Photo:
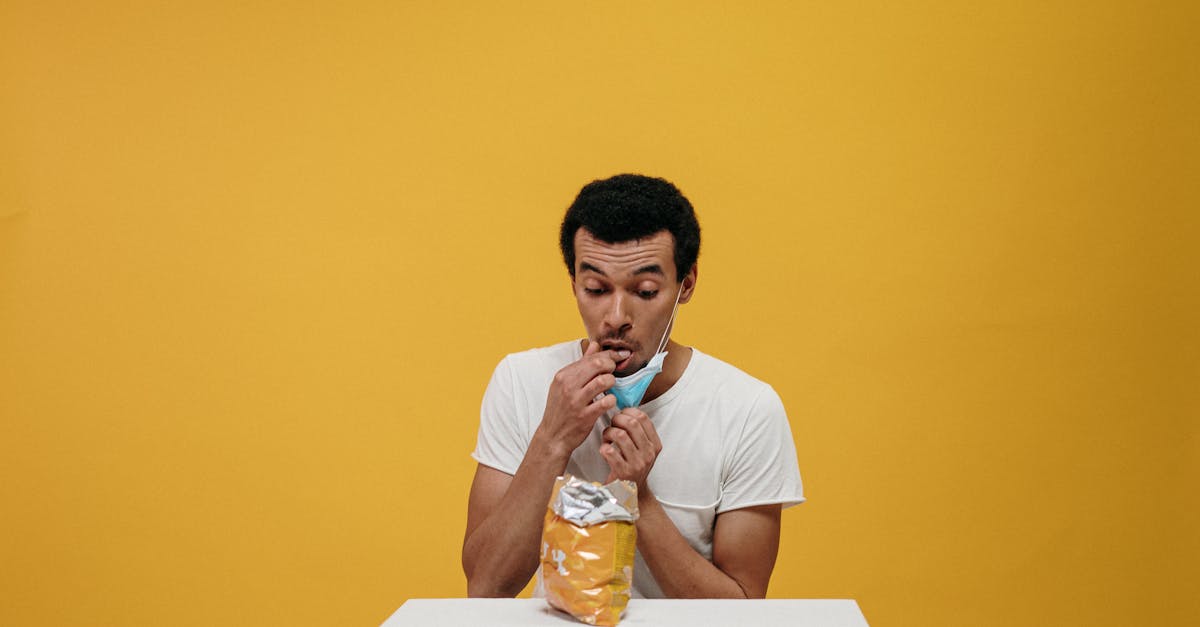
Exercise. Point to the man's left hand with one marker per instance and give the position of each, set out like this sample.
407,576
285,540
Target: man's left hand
630,447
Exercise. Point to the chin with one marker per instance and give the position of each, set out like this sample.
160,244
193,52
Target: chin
626,373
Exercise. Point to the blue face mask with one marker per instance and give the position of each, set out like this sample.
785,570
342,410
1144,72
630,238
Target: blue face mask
629,390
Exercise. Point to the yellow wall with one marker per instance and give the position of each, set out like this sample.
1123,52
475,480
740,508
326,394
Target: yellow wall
257,263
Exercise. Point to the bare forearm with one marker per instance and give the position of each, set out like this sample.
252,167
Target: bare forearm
681,572
501,554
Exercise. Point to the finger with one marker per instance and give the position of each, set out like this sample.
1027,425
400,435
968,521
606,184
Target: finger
635,425
600,406
612,452
594,361
592,365
616,463
603,361
647,425
599,384
623,442
636,413
593,357
651,433
593,348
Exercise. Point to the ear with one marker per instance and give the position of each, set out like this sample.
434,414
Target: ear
689,284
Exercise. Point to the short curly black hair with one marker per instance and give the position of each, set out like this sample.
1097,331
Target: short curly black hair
627,207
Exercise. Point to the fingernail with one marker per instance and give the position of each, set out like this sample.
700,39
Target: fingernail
622,353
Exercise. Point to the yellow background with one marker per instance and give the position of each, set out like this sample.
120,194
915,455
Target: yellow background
257,263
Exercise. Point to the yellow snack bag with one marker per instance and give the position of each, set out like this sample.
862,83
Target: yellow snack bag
588,541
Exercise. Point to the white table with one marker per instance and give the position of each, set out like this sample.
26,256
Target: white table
666,612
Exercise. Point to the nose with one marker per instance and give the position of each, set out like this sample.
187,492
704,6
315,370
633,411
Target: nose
616,315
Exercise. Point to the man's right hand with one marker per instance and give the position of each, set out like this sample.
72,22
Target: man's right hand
571,405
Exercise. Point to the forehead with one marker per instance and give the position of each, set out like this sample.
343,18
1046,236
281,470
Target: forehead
624,258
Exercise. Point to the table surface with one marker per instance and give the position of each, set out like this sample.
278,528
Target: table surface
668,612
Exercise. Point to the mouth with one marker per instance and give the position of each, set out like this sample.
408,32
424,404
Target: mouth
623,365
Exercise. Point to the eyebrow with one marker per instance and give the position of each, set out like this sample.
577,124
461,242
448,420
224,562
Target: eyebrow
653,268
585,267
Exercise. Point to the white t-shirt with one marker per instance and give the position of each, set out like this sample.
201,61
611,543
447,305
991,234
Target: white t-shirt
726,441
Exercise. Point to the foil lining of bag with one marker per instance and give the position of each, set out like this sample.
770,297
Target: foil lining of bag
584,503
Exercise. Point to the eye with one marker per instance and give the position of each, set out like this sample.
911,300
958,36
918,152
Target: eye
647,294
594,291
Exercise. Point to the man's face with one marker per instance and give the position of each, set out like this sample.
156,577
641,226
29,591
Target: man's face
626,292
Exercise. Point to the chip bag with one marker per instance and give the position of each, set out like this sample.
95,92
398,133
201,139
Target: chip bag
588,542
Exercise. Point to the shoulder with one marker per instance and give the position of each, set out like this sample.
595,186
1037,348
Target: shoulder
737,399
726,380
535,362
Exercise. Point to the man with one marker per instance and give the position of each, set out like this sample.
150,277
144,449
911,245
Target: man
709,447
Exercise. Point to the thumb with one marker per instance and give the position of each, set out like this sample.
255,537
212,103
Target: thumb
612,472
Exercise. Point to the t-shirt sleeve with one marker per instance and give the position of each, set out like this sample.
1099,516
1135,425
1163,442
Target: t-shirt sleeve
763,468
501,442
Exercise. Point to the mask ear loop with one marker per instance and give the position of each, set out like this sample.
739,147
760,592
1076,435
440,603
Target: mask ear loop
666,332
